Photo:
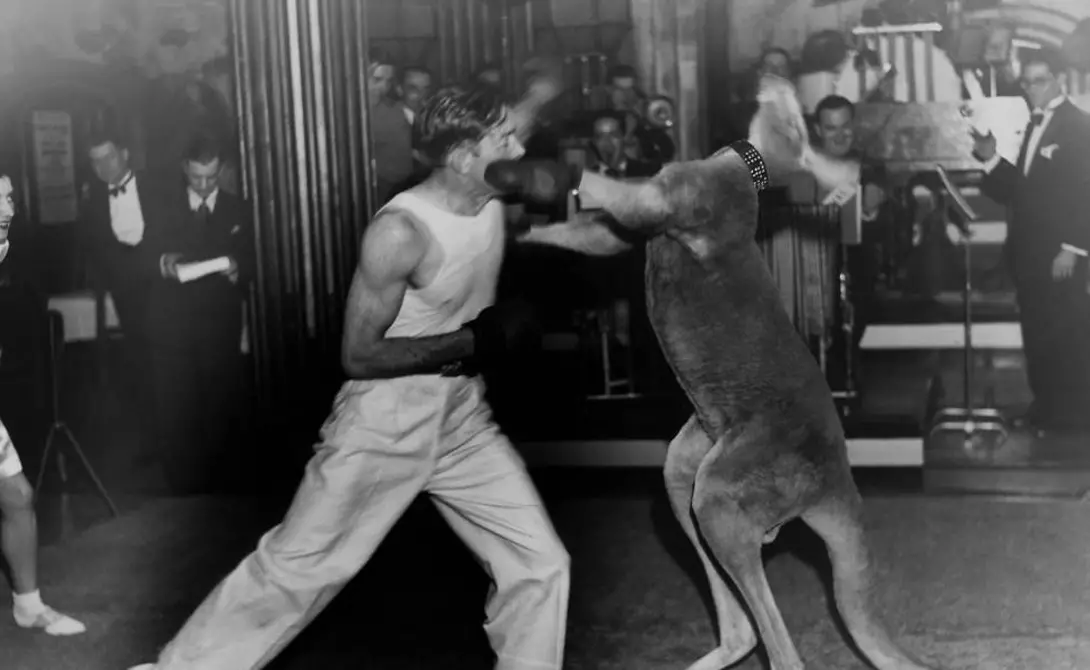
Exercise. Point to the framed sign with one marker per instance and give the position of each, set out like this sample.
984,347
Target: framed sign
54,167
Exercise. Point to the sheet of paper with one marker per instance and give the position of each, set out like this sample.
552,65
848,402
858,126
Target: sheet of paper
188,272
840,196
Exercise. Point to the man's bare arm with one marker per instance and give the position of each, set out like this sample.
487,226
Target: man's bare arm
392,250
586,233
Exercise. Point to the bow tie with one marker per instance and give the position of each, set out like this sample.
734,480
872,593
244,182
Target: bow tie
1036,119
121,188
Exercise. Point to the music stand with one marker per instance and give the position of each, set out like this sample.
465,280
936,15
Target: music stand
56,325
967,420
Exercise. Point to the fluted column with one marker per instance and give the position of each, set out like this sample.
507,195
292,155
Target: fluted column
667,35
301,94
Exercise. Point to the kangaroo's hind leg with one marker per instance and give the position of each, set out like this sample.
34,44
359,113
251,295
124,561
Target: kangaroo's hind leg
739,496
683,458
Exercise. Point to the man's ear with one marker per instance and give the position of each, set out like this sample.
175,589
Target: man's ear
460,158
125,155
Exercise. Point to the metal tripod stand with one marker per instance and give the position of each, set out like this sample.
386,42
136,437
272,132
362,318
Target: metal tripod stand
56,342
967,420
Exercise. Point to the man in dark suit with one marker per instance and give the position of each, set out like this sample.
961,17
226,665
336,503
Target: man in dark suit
197,323
1047,194
121,235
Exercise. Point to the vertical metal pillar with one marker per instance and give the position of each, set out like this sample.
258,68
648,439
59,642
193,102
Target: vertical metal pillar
301,98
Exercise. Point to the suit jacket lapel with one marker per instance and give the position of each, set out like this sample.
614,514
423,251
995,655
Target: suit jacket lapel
1053,132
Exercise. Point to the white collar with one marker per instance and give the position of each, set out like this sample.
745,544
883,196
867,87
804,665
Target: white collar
4,249
1052,105
195,200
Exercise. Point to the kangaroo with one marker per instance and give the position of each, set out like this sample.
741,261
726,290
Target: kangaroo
764,444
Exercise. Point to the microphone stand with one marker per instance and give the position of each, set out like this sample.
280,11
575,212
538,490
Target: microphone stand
967,420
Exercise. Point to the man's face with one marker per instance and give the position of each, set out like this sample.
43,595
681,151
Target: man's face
609,140
110,162
381,82
836,132
7,207
1040,84
775,63
623,93
415,89
203,178
490,77
498,144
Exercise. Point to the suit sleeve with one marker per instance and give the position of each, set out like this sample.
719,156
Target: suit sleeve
999,182
1076,231
242,245
92,252
159,231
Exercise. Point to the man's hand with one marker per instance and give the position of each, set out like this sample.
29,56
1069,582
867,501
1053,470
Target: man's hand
232,271
1063,266
984,145
873,198
168,265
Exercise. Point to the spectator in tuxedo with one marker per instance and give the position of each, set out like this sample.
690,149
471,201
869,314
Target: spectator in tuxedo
1047,194
391,130
608,149
121,230
197,328
18,521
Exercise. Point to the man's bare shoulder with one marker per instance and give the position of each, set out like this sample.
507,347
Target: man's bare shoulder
394,243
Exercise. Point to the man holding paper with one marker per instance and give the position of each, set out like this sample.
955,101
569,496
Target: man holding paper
198,320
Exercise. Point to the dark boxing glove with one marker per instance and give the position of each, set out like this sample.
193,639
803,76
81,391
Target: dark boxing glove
501,330
545,182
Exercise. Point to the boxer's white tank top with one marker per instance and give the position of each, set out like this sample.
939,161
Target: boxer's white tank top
472,252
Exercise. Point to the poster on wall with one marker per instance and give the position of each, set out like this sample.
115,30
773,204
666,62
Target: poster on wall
54,167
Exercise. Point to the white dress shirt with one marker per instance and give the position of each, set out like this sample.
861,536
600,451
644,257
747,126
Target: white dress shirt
126,217
196,200
4,250
1035,135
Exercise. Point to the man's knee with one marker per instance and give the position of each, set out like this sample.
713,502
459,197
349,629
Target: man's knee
550,562
16,494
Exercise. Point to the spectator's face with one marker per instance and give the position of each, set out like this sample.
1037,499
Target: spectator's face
110,162
7,207
1040,84
609,140
381,82
415,88
203,178
775,63
836,132
491,77
623,94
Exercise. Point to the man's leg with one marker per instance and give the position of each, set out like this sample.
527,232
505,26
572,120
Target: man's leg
377,453
19,542
482,489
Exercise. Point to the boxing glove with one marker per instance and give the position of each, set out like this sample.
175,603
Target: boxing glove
545,182
500,330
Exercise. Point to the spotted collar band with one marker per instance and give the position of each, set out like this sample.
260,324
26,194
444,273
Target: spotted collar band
758,171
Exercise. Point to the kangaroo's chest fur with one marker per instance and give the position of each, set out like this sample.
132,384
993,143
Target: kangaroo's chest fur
720,322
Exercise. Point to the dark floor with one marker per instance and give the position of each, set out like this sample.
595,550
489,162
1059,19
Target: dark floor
966,584
976,583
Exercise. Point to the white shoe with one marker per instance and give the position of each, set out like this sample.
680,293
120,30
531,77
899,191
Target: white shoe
51,621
